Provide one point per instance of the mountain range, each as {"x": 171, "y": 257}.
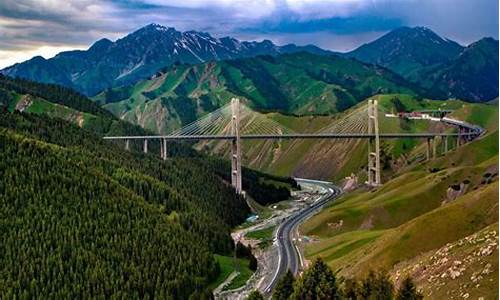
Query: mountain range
{"x": 139, "y": 55}
{"x": 297, "y": 83}
{"x": 118, "y": 222}
{"x": 446, "y": 68}
{"x": 440, "y": 67}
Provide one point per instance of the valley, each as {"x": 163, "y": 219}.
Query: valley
{"x": 363, "y": 218}
{"x": 173, "y": 164}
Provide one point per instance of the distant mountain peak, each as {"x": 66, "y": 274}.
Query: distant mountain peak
{"x": 158, "y": 27}
{"x": 153, "y": 28}
{"x": 100, "y": 45}
{"x": 140, "y": 55}
{"x": 419, "y": 32}
{"x": 407, "y": 49}
{"x": 37, "y": 58}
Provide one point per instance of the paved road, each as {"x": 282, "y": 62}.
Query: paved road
{"x": 289, "y": 256}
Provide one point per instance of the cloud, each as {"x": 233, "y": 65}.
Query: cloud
{"x": 246, "y": 9}
{"x": 10, "y": 57}
{"x": 314, "y": 9}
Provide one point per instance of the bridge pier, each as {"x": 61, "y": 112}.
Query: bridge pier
{"x": 164, "y": 156}
{"x": 445, "y": 144}
{"x": 434, "y": 147}
{"x": 145, "y": 147}
{"x": 127, "y": 145}
{"x": 236, "y": 146}
{"x": 428, "y": 150}
{"x": 459, "y": 137}
{"x": 373, "y": 156}
{"x": 163, "y": 149}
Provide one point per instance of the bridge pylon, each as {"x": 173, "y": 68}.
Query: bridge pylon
{"x": 236, "y": 146}
{"x": 373, "y": 145}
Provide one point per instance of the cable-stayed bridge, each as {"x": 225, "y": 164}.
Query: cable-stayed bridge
{"x": 235, "y": 122}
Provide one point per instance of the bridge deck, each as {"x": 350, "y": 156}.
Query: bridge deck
{"x": 292, "y": 136}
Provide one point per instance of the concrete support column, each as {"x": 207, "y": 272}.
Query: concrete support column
{"x": 373, "y": 156}
{"x": 161, "y": 149}
{"x": 236, "y": 146}
{"x": 145, "y": 148}
{"x": 434, "y": 147}
{"x": 127, "y": 144}
{"x": 445, "y": 144}
{"x": 428, "y": 149}
{"x": 459, "y": 137}
{"x": 371, "y": 164}
{"x": 164, "y": 156}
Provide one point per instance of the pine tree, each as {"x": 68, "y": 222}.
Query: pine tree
{"x": 408, "y": 291}
{"x": 377, "y": 286}
{"x": 252, "y": 262}
{"x": 318, "y": 282}
{"x": 284, "y": 288}
{"x": 255, "y": 295}
{"x": 384, "y": 287}
{"x": 350, "y": 290}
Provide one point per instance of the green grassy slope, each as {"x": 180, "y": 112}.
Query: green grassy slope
{"x": 227, "y": 266}
{"x": 299, "y": 83}
{"x": 394, "y": 227}
{"x": 56, "y": 102}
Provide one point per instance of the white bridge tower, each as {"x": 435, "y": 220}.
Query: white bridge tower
{"x": 373, "y": 145}
{"x": 236, "y": 146}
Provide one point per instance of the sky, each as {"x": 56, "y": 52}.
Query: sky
{"x": 46, "y": 27}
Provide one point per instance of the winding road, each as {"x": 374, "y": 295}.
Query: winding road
{"x": 289, "y": 254}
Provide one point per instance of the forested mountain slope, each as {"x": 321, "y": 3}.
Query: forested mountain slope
{"x": 406, "y": 50}
{"x": 472, "y": 75}
{"x": 299, "y": 83}
{"x": 112, "y": 222}
{"x": 60, "y": 102}
{"x": 84, "y": 218}
{"x": 115, "y": 223}
{"x": 441, "y": 66}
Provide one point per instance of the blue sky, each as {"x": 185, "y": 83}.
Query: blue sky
{"x": 34, "y": 27}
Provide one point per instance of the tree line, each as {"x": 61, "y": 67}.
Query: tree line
{"x": 319, "y": 282}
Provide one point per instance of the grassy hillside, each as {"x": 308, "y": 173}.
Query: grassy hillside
{"x": 410, "y": 220}
{"x": 299, "y": 83}
{"x": 57, "y": 102}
